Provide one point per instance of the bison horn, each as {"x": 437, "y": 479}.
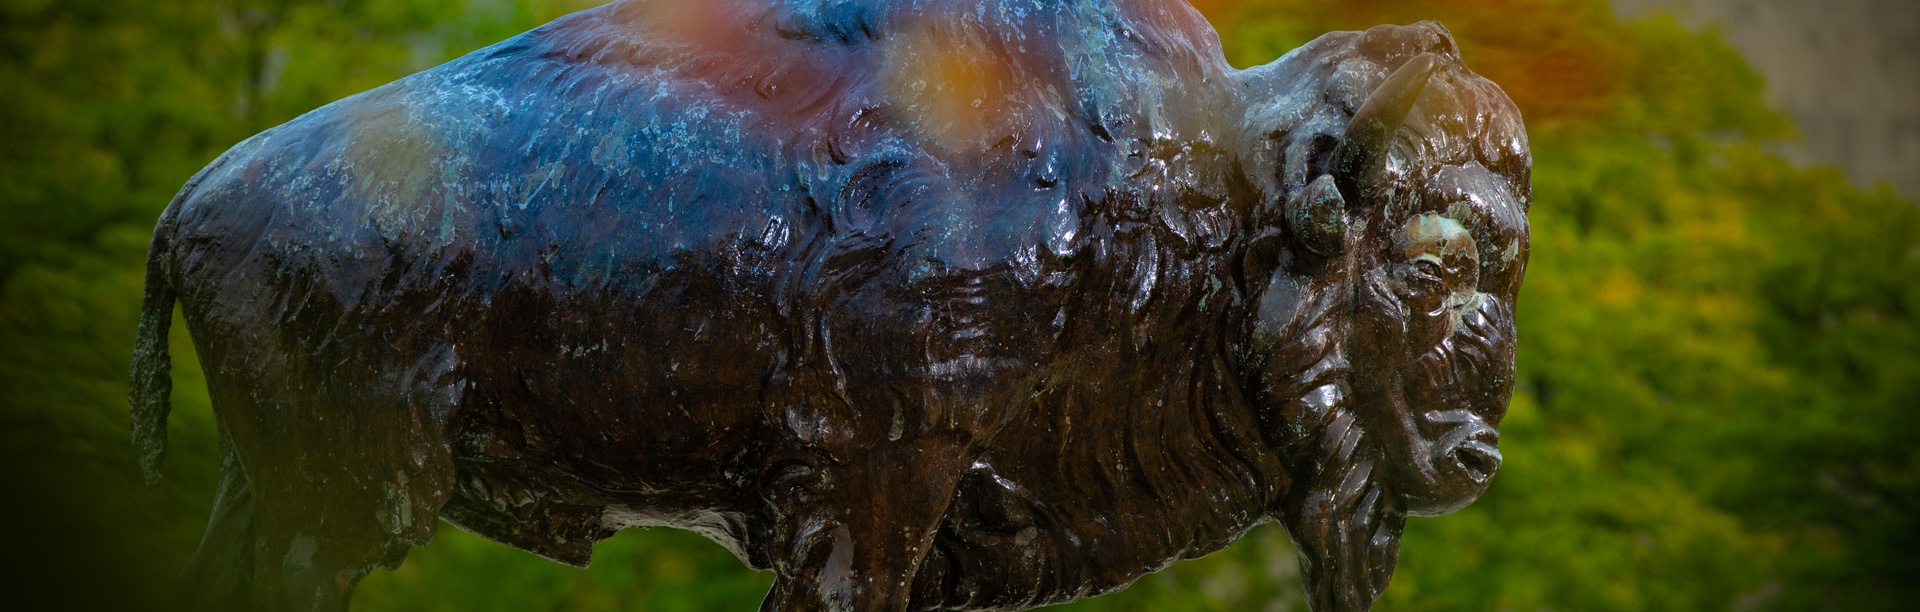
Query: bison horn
{"x": 1362, "y": 155}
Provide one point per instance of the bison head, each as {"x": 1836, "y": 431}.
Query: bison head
{"x": 1381, "y": 348}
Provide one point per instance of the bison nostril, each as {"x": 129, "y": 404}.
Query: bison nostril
{"x": 1476, "y": 462}
{"x": 1479, "y": 458}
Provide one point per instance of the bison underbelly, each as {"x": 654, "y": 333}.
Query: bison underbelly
{"x": 594, "y": 411}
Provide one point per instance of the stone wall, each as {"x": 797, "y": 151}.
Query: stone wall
{"x": 1847, "y": 71}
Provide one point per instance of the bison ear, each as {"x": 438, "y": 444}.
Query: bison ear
{"x": 1360, "y": 162}
{"x": 1317, "y": 218}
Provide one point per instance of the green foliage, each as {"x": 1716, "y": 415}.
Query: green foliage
{"x": 653, "y": 569}
{"x": 1718, "y": 356}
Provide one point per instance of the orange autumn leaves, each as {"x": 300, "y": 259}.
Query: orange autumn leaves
{"x": 1557, "y": 59}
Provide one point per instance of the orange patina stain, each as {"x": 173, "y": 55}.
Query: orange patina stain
{"x": 393, "y": 160}
{"x": 955, "y": 88}
{"x": 707, "y": 24}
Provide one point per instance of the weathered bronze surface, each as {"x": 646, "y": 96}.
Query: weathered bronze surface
{"x": 919, "y": 304}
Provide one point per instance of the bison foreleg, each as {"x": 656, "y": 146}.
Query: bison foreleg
{"x": 222, "y": 567}
{"x": 852, "y": 531}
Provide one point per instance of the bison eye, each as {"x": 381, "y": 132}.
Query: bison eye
{"x": 1439, "y": 247}
{"x": 1428, "y": 269}
{"x": 1441, "y": 267}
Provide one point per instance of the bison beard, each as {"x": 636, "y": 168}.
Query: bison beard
{"x": 1342, "y": 511}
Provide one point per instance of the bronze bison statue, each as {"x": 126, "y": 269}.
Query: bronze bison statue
{"x": 920, "y": 304}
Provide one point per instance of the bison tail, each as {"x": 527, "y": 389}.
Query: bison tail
{"x": 151, "y": 384}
